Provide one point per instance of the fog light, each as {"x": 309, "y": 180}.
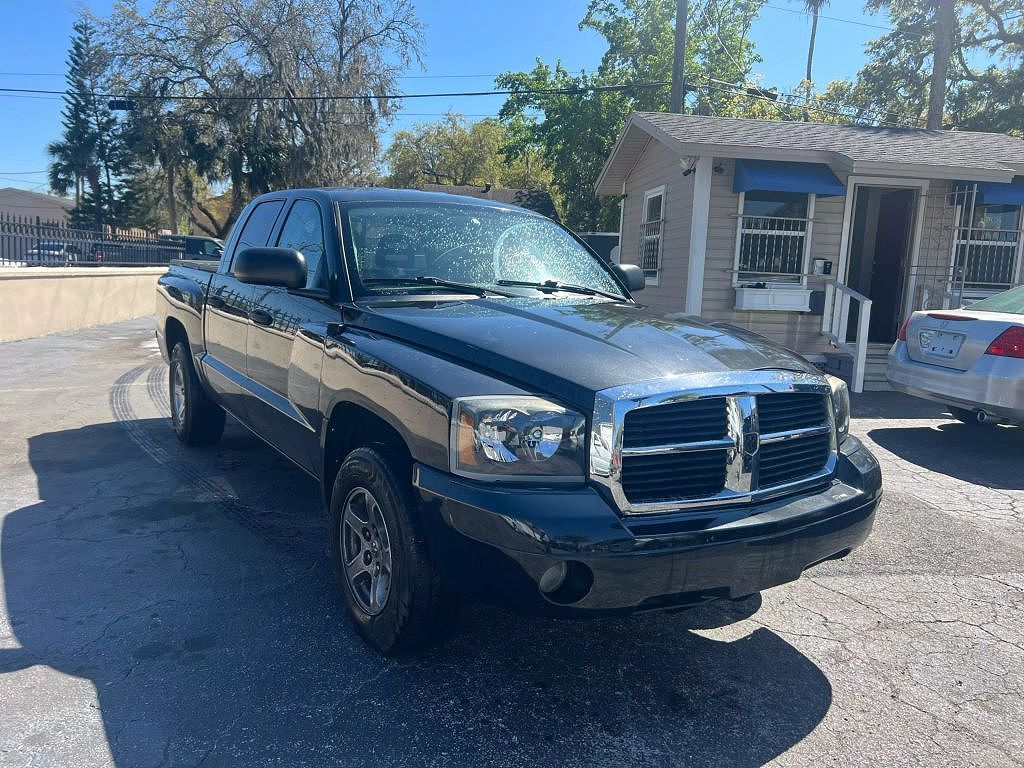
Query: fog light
{"x": 553, "y": 578}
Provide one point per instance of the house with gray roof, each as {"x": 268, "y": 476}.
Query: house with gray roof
{"x": 822, "y": 237}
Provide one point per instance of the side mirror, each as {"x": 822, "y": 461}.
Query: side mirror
{"x": 271, "y": 266}
{"x": 632, "y": 276}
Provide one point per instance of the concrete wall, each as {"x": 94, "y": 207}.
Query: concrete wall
{"x": 35, "y": 301}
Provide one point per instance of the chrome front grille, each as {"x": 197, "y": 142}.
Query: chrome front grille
{"x": 691, "y": 421}
{"x": 781, "y": 412}
{"x": 792, "y": 460}
{"x": 704, "y": 440}
{"x": 667, "y": 476}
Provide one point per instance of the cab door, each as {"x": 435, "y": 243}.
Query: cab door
{"x": 285, "y": 343}
{"x": 229, "y": 303}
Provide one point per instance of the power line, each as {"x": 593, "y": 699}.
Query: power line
{"x": 574, "y": 90}
{"x": 737, "y": 90}
{"x": 355, "y": 97}
{"x": 847, "y": 21}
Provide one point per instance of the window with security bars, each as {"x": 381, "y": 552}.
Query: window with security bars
{"x": 771, "y": 243}
{"x": 651, "y": 230}
{"x": 987, "y": 247}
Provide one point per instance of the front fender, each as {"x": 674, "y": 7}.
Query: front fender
{"x": 409, "y": 388}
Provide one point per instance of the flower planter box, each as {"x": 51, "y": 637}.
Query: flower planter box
{"x": 773, "y": 299}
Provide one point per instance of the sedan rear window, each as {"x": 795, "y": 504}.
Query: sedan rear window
{"x": 1011, "y": 301}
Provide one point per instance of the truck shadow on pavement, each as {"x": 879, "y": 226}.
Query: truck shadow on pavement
{"x": 988, "y": 456}
{"x": 212, "y": 633}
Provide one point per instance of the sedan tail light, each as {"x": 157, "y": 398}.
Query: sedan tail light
{"x": 1009, "y": 343}
{"x": 902, "y": 335}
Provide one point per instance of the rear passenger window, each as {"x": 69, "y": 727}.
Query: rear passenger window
{"x": 303, "y": 231}
{"x": 256, "y": 230}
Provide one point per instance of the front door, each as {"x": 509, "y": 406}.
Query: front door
{"x": 229, "y": 306}
{"x": 285, "y": 344}
{"x": 880, "y": 244}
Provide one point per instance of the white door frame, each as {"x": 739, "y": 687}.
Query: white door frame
{"x": 852, "y": 182}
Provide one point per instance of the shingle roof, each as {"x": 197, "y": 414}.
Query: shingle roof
{"x": 936, "y": 154}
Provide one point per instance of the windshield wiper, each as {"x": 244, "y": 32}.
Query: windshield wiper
{"x": 437, "y": 282}
{"x": 550, "y": 286}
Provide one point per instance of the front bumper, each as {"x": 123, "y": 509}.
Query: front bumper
{"x": 993, "y": 384}
{"x": 496, "y": 543}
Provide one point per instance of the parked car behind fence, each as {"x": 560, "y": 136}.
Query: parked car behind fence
{"x": 32, "y": 242}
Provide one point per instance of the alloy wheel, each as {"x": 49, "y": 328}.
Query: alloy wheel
{"x": 366, "y": 551}
{"x": 178, "y": 393}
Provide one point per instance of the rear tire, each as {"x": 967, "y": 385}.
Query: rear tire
{"x": 196, "y": 418}
{"x": 969, "y": 418}
{"x": 412, "y": 610}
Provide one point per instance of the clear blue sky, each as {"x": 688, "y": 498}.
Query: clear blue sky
{"x": 470, "y": 39}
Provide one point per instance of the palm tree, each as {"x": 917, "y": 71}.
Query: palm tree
{"x": 813, "y": 7}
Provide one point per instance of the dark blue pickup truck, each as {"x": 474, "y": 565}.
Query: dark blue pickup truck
{"x": 490, "y": 412}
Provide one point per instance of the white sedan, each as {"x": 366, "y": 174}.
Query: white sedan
{"x": 971, "y": 359}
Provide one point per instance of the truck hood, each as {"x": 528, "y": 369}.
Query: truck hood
{"x": 574, "y": 347}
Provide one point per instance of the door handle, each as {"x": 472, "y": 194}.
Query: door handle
{"x": 260, "y": 317}
{"x": 216, "y": 302}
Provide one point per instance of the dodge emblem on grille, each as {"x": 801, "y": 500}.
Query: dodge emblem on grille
{"x": 751, "y": 442}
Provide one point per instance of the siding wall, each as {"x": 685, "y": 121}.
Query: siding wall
{"x": 797, "y": 330}
{"x": 800, "y": 331}
{"x": 660, "y": 165}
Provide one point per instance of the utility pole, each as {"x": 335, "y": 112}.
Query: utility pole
{"x": 944, "y": 15}
{"x": 677, "y": 103}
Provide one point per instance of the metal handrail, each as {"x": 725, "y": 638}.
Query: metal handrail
{"x": 838, "y": 296}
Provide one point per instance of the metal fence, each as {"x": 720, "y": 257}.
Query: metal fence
{"x": 27, "y": 242}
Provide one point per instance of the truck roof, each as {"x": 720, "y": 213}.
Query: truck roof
{"x": 386, "y": 195}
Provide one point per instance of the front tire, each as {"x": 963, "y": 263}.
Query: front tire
{"x": 196, "y": 418}
{"x": 393, "y": 595}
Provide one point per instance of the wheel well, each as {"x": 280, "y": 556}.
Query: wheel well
{"x": 352, "y": 426}
{"x": 173, "y": 333}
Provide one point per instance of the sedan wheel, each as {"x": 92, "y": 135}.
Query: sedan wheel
{"x": 366, "y": 551}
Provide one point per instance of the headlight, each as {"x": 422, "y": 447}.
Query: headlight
{"x": 517, "y": 438}
{"x": 840, "y": 406}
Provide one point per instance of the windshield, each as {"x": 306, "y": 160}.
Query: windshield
{"x": 1011, "y": 301}
{"x": 393, "y": 244}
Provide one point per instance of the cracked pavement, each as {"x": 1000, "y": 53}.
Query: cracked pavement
{"x": 167, "y": 606}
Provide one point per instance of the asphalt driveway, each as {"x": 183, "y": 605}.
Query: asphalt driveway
{"x": 167, "y": 606}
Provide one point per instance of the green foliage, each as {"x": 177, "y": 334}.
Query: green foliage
{"x": 575, "y": 130}
{"x": 452, "y": 151}
{"x": 88, "y": 158}
{"x": 986, "y": 72}
{"x": 232, "y": 93}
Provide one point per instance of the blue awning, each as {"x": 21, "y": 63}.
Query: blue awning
{"x": 996, "y": 193}
{"x": 772, "y": 176}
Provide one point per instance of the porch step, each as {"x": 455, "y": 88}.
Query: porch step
{"x": 874, "y": 368}
{"x": 841, "y": 364}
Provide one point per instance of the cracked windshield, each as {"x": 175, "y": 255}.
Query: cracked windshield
{"x": 394, "y": 245}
